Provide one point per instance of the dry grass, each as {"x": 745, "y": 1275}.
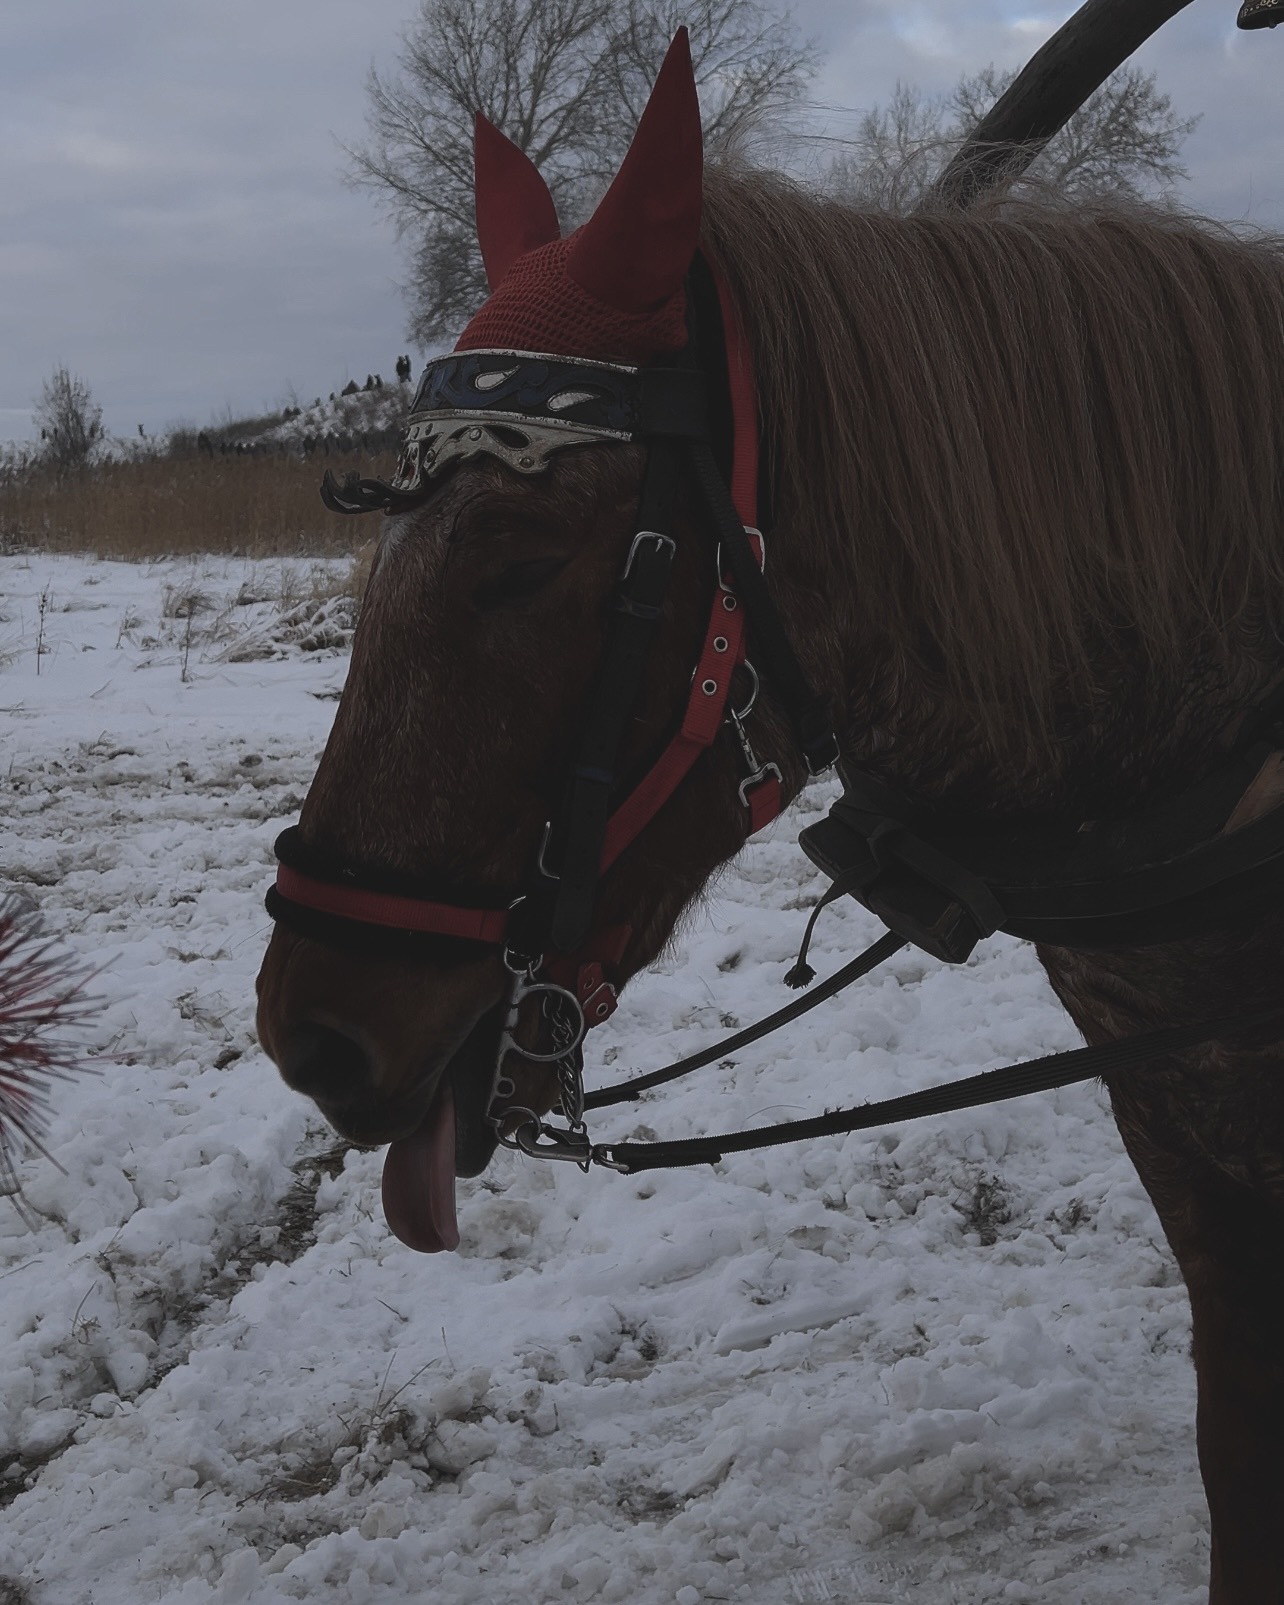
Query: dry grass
{"x": 256, "y": 506}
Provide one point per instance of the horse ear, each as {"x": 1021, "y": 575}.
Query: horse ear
{"x": 515, "y": 212}
{"x": 634, "y": 252}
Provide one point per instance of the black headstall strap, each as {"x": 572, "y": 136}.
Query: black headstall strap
{"x": 635, "y": 615}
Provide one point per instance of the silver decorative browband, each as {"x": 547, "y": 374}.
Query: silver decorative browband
{"x": 521, "y": 406}
{"x": 514, "y": 405}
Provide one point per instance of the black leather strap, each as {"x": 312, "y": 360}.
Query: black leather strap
{"x": 625, "y": 1091}
{"x": 991, "y": 1086}
{"x": 1156, "y": 876}
{"x": 635, "y": 616}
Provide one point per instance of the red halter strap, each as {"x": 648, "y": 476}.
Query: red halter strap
{"x": 723, "y": 650}
{"x": 393, "y": 909}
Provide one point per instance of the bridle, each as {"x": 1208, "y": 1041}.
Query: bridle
{"x": 1169, "y": 870}
{"x": 521, "y": 407}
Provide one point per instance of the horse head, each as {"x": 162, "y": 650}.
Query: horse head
{"x": 476, "y": 680}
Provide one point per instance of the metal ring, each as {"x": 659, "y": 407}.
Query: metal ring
{"x": 520, "y": 964}
{"x": 599, "y": 1154}
{"x": 710, "y": 688}
{"x": 513, "y": 1109}
{"x": 509, "y": 1044}
{"x": 720, "y": 643}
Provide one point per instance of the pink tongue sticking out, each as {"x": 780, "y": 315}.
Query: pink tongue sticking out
{"x": 419, "y": 1180}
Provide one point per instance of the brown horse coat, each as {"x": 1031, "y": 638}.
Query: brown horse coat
{"x": 1028, "y": 534}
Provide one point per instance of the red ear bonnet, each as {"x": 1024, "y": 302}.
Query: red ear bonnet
{"x": 515, "y": 212}
{"x": 613, "y": 291}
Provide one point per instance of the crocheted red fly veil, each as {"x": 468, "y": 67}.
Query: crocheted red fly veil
{"x": 612, "y": 291}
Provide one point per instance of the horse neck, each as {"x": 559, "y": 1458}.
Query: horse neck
{"x": 901, "y": 714}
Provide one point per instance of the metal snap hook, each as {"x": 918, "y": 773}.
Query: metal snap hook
{"x": 555, "y": 1144}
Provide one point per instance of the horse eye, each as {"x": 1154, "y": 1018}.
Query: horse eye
{"x": 518, "y": 583}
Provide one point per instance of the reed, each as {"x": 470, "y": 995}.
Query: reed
{"x": 257, "y": 506}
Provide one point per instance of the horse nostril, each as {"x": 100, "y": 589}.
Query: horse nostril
{"x": 324, "y": 1063}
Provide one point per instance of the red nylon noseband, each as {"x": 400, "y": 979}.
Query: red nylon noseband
{"x": 391, "y": 908}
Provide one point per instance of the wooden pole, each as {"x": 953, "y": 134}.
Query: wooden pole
{"x": 1048, "y": 91}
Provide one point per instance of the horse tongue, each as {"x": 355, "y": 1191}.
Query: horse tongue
{"x": 419, "y": 1180}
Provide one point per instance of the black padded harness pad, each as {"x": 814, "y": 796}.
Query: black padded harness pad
{"x": 1157, "y": 876}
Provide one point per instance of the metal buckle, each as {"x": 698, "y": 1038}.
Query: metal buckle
{"x": 760, "y": 555}
{"x": 647, "y": 535}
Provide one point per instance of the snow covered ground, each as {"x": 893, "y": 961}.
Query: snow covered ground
{"x": 941, "y": 1363}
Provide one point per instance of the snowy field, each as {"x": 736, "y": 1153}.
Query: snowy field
{"x": 943, "y": 1363}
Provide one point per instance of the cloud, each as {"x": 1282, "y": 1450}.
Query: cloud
{"x": 1210, "y": 68}
{"x": 174, "y": 225}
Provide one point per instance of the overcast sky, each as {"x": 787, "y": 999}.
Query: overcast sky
{"x": 174, "y": 225}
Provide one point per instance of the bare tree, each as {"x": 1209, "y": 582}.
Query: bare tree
{"x": 564, "y": 79}
{"x": 1125, "y": 141}
{"x": 70, "y": 421}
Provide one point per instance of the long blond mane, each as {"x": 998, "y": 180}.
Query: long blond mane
{"x": 1026, "y": 430}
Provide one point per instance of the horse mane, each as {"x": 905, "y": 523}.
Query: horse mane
{"x": 1041, "y": 439}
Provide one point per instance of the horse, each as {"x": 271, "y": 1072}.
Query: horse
{"x": 1024, "y": 533}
